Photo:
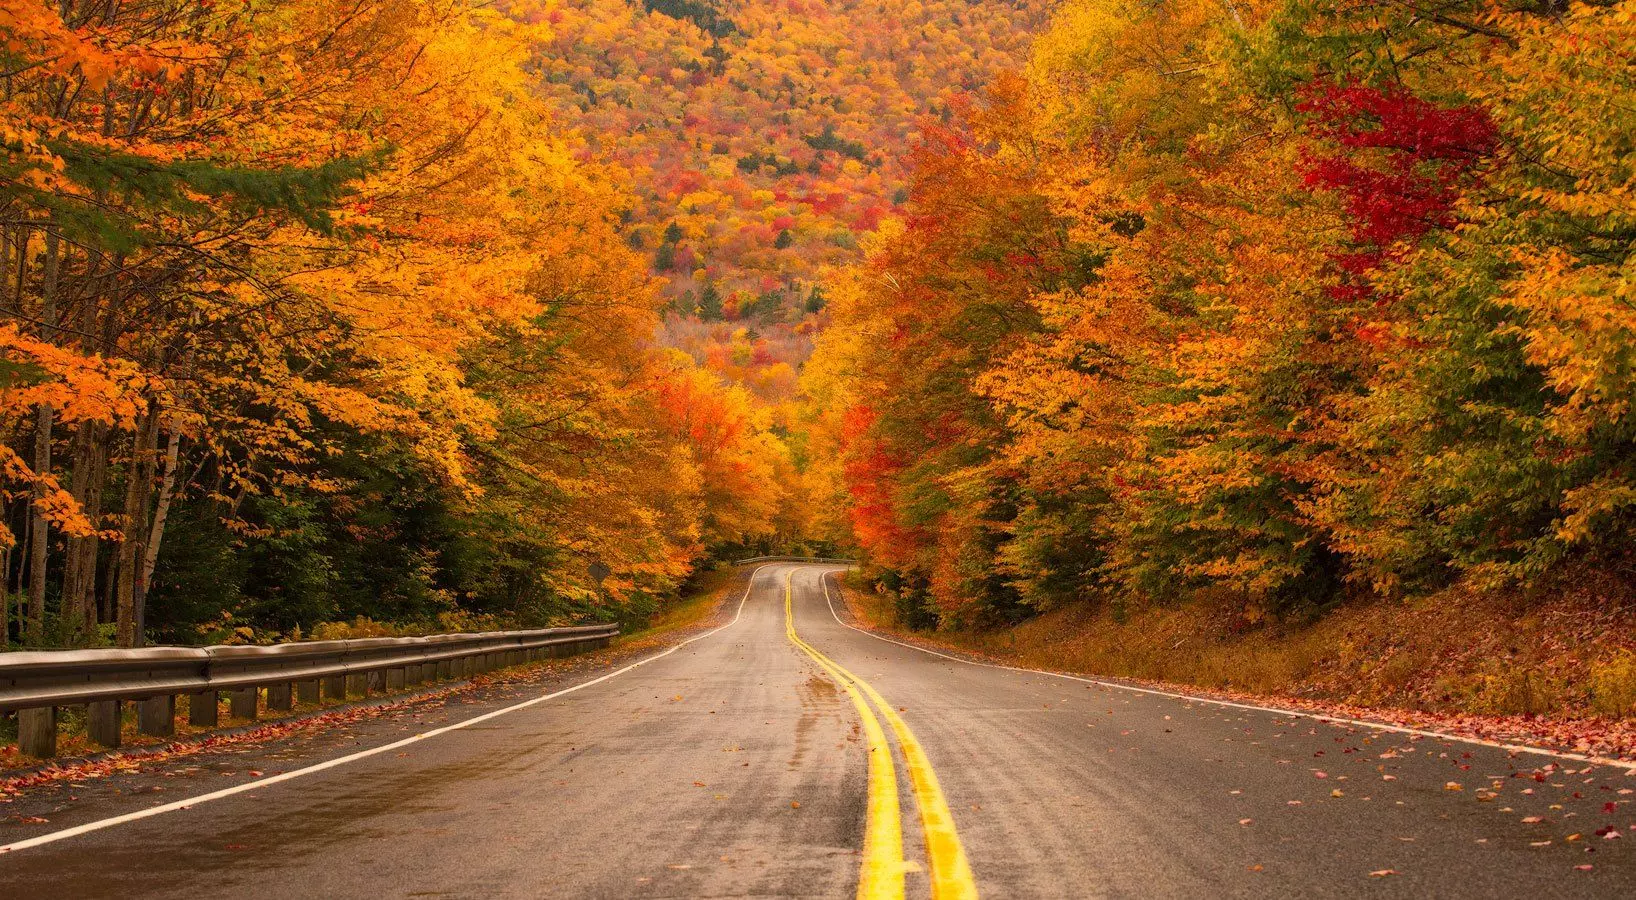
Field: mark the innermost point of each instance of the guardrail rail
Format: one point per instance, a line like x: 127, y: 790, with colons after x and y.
x: 806, y: 559
x: 37, y: 683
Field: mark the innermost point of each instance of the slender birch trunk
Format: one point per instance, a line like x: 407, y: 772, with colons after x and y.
x: 129, y: 593
x: 5, y: 607
x: 40, y: 531
x: 167, y: 488
x: 45, y: 419
x: 89, y: 548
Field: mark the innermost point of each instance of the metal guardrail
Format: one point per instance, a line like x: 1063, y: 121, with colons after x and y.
x: 36, y: 683
x: 807, y: 559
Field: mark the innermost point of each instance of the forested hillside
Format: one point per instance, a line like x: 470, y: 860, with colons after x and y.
x: 447, y: 314
x: 1276, y: 303
x: 762, y: 140
x: 312, y: 316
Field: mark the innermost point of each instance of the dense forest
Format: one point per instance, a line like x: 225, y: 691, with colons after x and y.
x: 1282, y: 302
x: 313, y: 316
x: 436, y: 314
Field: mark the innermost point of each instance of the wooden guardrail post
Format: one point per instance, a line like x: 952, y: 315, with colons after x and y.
x: 241, y: 704
x: 307, y: 691
x: 279, y: 697
x: 37, y: 731
x: 202, y: 709
x: 335, y: 687
x: 358, y: 684
x: 102, y: 722
x: 156, y: 716
x: 394, y: 680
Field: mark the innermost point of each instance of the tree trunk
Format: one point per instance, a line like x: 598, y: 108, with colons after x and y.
x: 20, y: 536
x: 41, y: 539
x: 40, y: 532
x: 77, y: 610
x: 138, y: 478
x: 20, y: 582
x: 166, y: 488
x: 89, y: 548
x: 5, y: 607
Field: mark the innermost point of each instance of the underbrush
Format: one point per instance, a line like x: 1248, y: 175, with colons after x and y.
x: 1571, y: 653
x: 697, y: 605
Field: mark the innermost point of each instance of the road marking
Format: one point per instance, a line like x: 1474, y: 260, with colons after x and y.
x: 950, y: 870
x: 1628, y: 765
x: 260, y: 783
x: 880, y: 874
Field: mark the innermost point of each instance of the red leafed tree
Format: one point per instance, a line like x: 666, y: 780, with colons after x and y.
x: 870, y: 473
x: 1404, y: 163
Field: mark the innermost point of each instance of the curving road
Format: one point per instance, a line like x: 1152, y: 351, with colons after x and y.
x: 789, y: 754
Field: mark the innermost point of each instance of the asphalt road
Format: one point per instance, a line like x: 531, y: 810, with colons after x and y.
x: 740, y: 764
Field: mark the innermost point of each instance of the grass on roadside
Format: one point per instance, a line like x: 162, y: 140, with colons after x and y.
x: 1572, y: 654
x: 686, y: 612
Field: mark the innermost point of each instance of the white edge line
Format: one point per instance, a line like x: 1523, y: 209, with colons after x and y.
x: 259, y: 783
x: 1628, y: 766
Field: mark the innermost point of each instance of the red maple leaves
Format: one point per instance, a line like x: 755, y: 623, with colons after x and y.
x: 1405, y: 163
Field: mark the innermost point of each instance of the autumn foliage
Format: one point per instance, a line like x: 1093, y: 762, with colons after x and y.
x: 526, y: 310
x: 1280, y: 301
x: 311, y: 315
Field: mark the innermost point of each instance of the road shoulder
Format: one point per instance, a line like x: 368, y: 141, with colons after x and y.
x: 1571, y: 738
x: 70, y: 792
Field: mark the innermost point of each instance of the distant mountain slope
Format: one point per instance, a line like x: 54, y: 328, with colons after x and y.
x: 763, y: 136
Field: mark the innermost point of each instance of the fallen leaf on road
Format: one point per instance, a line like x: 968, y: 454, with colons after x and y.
x: 1382, y: 873
x: 1245, y: 821
x: 1336, y: 793
x: 1532, y: 820
x: 795, y: 804
x: 1453, y: 786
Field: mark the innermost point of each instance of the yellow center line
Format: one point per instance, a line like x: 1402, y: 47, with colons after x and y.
x: 880, y: 875
x: 950, y: 871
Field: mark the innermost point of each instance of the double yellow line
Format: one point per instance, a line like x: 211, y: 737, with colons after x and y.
x: 881, y: 874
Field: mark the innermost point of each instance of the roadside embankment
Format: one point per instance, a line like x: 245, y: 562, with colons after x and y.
x: 1557, y: 670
